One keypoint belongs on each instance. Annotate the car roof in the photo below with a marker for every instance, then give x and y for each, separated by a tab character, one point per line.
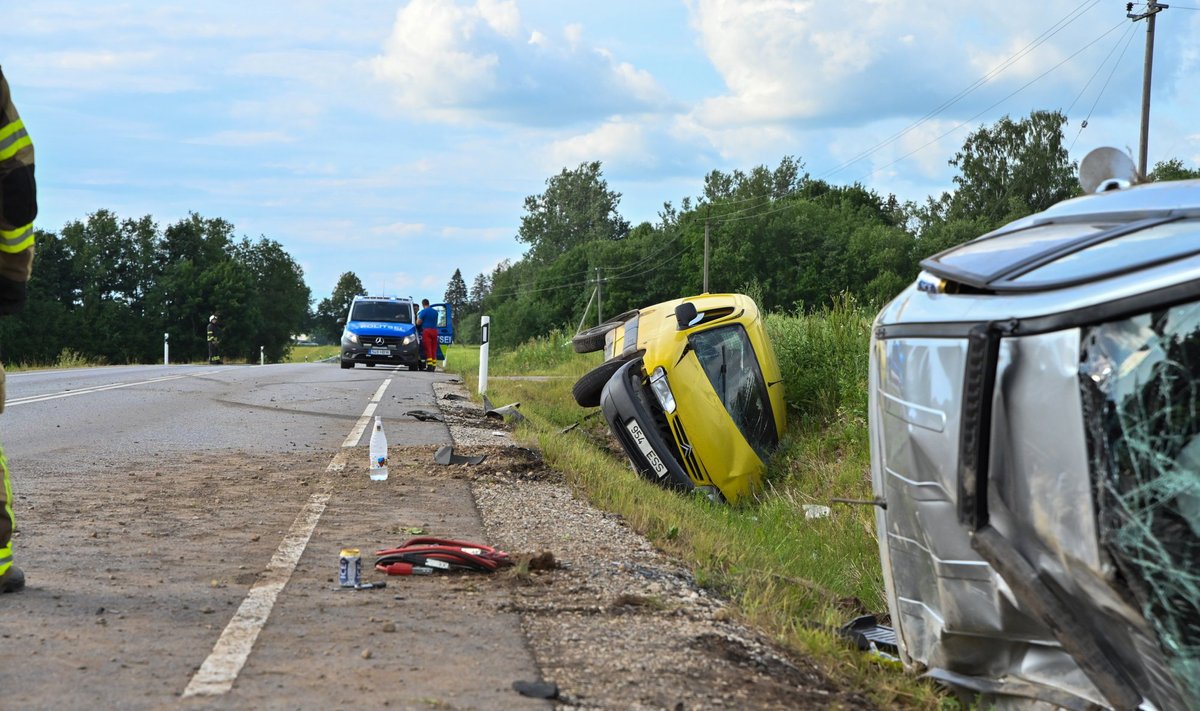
1080	240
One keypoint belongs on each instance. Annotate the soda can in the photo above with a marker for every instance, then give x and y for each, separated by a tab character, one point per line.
350	568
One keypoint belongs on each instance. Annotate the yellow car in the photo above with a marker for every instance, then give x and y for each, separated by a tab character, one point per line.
692	390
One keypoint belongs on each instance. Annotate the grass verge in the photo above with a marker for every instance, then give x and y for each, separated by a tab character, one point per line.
796	579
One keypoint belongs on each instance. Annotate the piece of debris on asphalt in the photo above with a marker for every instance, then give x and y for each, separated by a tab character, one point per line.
453	396
536	689
425	415
446	456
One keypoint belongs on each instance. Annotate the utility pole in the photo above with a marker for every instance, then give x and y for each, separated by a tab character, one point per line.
1152	9
706	213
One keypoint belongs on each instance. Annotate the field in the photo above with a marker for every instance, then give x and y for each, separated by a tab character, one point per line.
796	578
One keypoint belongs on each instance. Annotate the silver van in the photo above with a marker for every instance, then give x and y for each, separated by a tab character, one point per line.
1035	454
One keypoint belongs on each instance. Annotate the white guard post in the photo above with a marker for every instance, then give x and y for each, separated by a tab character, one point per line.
486	326
262	359
166	349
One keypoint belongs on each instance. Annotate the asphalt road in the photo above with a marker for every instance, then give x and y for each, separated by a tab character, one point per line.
180	527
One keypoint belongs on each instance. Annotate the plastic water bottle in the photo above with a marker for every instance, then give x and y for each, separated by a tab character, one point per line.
379	452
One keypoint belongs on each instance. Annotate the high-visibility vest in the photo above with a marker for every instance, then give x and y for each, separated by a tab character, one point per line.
16	161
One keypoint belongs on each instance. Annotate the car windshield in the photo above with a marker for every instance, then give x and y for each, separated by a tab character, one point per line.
729	362
1139	380
392	311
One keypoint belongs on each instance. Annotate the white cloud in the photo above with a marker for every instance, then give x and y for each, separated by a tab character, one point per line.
399	228
478	62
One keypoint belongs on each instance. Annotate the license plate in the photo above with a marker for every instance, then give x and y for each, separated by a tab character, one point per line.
643	444
380	351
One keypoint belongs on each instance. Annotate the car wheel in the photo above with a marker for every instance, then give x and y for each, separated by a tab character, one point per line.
587	389
592	339
370	365
347	364
414	367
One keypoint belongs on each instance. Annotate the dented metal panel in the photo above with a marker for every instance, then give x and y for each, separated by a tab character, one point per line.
1072	582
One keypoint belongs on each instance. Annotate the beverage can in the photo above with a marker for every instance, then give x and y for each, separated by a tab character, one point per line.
350	568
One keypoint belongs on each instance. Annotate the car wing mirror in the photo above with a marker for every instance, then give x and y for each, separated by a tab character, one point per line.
685	314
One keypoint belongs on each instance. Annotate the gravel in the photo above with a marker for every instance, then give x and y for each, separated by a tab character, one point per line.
612	621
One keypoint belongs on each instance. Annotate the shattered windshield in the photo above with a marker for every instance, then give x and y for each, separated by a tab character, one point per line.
393	311
732	368
1142	409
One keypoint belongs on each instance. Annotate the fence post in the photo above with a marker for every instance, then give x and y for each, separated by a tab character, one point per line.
486	327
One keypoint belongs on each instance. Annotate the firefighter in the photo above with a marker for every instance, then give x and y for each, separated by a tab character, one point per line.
427	322
18	207
214	340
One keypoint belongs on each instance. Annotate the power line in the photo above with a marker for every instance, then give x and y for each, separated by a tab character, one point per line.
1041	39
1083	124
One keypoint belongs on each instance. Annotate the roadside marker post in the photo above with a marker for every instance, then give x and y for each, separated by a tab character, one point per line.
166	349
486	327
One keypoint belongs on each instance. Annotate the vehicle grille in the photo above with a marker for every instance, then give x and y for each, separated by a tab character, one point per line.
687	456
381	341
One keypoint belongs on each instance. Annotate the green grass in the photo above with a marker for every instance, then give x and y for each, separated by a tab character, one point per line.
795	578
311	354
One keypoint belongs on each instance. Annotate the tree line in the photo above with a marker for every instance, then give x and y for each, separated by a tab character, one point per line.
106	289
791	241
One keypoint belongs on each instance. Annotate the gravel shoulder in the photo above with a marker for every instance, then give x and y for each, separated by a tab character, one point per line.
615	624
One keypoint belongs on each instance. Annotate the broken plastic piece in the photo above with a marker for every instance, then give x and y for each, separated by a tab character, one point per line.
425	415
536	689
446	456
867	634
506	412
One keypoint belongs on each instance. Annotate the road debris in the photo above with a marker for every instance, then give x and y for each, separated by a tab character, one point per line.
446	456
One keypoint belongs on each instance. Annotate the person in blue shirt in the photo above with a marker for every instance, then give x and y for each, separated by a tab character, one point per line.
427	323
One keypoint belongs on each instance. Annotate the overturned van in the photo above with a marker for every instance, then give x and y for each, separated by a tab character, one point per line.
1035	454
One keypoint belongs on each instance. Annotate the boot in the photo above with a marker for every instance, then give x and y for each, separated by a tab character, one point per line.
13	580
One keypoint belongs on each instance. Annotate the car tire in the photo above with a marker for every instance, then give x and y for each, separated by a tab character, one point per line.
347	364
587	389
592	339
369	365
414	367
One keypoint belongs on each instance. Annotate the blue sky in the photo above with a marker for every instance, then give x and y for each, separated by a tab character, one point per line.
398	140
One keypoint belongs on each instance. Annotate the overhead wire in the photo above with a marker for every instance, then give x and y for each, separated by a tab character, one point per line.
1083	124
1041	39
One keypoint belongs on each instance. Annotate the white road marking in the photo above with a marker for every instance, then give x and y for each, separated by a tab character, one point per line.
95	389
220	670
365	421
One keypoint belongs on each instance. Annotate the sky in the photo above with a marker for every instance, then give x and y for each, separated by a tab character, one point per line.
398	140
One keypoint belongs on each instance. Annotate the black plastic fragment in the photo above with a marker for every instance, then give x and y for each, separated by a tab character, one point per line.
536	689
446	456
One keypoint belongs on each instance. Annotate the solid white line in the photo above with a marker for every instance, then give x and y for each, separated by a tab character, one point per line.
220	670
96	389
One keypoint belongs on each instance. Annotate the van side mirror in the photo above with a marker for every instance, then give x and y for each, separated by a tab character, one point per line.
685	313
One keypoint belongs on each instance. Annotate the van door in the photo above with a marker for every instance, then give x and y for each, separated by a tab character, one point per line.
445	324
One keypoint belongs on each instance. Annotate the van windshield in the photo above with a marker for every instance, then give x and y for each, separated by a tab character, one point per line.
729	362
391	311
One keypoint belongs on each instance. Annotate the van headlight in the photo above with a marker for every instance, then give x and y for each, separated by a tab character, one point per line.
349	336
662	390
409	339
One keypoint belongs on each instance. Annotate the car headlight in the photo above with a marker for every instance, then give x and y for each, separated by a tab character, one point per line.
348	336
409	339
662	390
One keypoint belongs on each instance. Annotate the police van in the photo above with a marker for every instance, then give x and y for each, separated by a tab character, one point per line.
382	329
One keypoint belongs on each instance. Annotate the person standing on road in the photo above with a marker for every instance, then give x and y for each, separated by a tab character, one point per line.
214	340
427	322
18	207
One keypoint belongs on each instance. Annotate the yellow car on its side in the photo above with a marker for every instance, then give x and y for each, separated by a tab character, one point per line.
692	391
